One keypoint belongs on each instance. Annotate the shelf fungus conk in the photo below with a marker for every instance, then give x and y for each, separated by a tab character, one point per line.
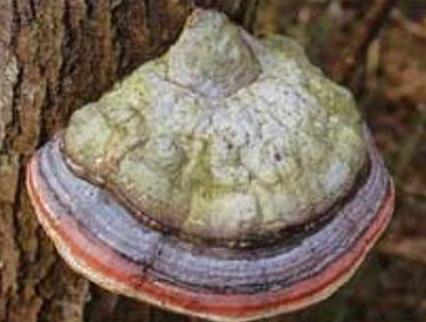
228	179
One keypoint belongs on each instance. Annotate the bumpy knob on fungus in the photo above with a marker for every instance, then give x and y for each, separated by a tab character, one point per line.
228	179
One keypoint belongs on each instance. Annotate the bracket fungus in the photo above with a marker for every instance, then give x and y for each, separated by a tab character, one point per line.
228	179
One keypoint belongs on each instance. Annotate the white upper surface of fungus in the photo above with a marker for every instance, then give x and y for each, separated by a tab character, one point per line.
225	136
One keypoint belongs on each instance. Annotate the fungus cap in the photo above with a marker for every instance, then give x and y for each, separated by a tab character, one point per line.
227	179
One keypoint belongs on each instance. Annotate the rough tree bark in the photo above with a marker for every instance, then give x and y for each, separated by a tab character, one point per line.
56	55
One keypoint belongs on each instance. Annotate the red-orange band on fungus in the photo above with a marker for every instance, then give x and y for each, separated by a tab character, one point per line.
114	268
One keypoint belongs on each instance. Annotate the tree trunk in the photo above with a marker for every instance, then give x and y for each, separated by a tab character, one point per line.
55	56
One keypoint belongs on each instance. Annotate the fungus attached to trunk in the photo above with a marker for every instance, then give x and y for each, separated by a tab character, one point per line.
228	179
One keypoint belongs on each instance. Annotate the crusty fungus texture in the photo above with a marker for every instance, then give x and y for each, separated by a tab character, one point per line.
225	136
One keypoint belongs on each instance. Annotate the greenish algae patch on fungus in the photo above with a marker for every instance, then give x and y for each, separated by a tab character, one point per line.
225	136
